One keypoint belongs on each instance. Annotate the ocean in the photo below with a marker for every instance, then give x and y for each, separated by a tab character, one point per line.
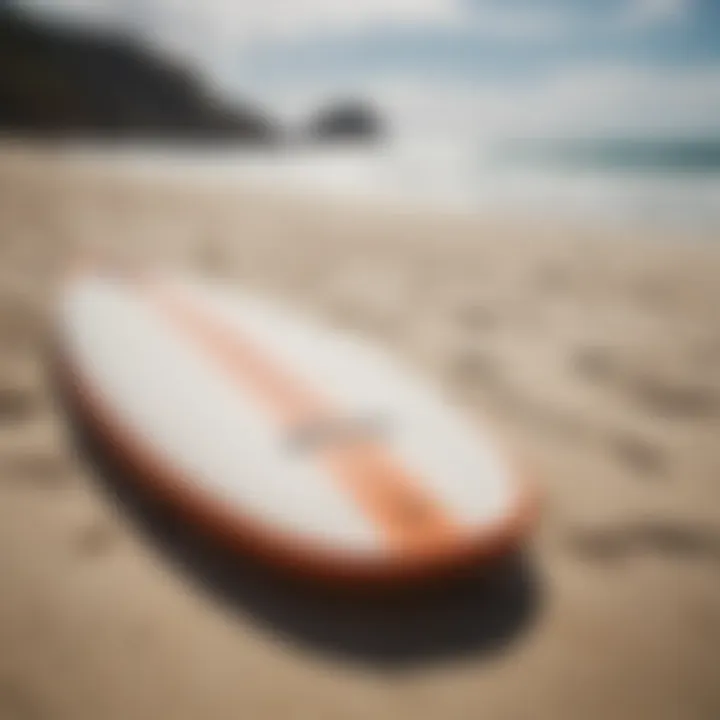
671	183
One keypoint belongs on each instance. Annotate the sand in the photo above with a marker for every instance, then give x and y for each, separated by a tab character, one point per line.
595	354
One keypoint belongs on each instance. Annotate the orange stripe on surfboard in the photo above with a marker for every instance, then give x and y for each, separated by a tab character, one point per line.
408	516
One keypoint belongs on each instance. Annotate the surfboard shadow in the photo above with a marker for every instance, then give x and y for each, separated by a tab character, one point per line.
479	613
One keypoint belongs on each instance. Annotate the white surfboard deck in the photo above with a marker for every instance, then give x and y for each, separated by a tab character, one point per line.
314	436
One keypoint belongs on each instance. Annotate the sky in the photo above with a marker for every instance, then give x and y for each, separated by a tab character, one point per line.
514	67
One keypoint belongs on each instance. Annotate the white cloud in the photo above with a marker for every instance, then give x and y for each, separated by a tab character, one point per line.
640	14
253	20
203	27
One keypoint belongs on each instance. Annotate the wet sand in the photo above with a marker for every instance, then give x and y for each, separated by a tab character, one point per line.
596	355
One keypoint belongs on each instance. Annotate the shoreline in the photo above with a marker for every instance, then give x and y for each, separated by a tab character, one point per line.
208	174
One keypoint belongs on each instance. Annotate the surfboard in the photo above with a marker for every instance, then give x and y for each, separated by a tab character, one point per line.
305	447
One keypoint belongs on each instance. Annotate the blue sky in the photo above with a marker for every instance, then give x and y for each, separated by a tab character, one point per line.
519	66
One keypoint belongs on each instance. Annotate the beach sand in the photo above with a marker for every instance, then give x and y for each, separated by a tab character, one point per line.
595	354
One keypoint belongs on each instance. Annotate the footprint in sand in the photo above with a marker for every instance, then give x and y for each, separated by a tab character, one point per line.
476	317
474	367
16	404
663	397
594	363
16	703
34	469
677	400
660	537
211	258
95	540
642	456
